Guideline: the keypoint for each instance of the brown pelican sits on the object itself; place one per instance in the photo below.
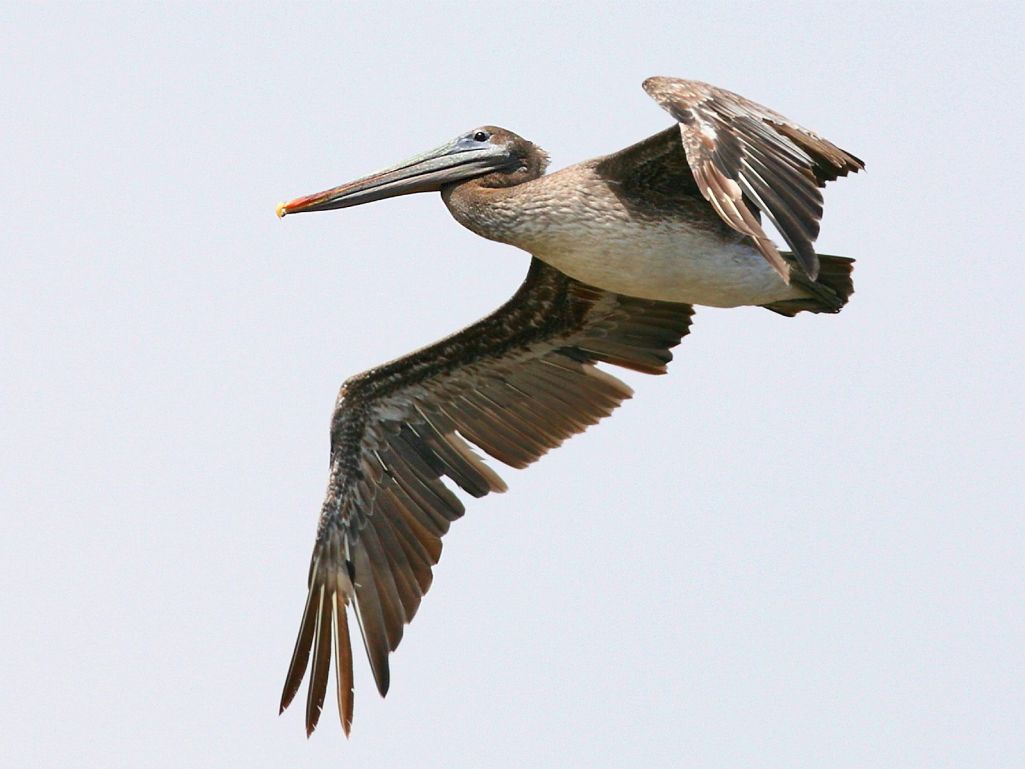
(623, 246)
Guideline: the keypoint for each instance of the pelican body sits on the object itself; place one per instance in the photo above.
(669, 246)
(623, 246)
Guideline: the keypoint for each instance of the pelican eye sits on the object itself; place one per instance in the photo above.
(480, 136)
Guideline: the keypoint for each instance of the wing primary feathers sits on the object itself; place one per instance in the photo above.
(371, 619)
(343, 658)
(321, 661)
(303, 643)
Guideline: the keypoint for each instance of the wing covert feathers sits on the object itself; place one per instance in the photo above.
(516, 384)
(744, 154)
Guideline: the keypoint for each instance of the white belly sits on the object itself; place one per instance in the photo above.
(666, 261)
(575, 221)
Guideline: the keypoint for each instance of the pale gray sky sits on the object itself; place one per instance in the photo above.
(802, 548)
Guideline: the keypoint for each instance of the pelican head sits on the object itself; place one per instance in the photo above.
(493, 156)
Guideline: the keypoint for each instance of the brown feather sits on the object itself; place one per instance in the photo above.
(321, 661)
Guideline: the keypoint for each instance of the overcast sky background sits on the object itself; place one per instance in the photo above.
(802, 548)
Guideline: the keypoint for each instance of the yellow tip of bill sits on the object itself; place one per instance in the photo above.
(280, 210)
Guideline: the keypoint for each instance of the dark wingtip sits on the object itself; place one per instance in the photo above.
(289, 692)
(383, 679)
(313, 711)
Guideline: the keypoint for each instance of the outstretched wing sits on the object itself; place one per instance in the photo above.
(516, 384)
(742, 153)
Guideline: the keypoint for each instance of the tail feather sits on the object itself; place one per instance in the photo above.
(829, 293)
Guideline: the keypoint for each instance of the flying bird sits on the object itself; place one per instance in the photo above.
(622, 248)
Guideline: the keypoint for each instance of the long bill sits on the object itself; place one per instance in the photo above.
(428, 172)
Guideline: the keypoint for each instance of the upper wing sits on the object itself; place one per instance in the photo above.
(741, 152)
(516, 384)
